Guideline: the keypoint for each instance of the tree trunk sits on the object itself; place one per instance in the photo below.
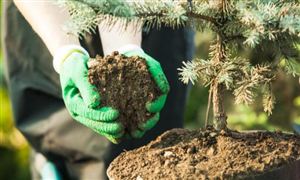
(218, 107)
(220, 117)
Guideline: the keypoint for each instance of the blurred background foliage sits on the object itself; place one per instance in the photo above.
(14, 150)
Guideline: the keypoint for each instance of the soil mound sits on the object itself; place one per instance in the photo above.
(207, 154)
(124, 83)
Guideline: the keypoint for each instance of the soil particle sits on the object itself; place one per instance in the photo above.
(207, 154)
(124, 83)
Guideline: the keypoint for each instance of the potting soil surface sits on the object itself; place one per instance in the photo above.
(125, 84)
(206, 154)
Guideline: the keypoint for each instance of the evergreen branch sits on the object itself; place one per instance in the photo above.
(153, 13)
(291, 66)
(189, 14)
(253, 78)
(267, 20)
(254, 20)
(203, 17)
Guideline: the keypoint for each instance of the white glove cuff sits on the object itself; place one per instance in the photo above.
(63, 53)
(130, 47)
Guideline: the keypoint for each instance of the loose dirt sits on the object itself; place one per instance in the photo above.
(206, 154)
(124, 83)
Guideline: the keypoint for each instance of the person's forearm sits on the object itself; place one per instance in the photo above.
(117, 36)
(47, 20)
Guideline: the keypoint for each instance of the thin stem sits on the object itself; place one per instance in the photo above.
(218, 106)
(208, 105)
(190, 14)
(203, 17)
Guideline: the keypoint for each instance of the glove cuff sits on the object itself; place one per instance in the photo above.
(129, 47)
(63, 53)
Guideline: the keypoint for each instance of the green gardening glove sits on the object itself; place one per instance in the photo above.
(82, 99)
(162, 82)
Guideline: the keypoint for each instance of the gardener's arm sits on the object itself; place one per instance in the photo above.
(70, 61)
(117, 37)
(47, 20)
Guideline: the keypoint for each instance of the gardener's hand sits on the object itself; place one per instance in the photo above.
(80, 97)
(160, 80)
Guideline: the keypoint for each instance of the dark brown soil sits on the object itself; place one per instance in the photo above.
(124, 83)
(207, 154)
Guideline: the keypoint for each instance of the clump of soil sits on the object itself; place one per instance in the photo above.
(207, 154)
(125, 84)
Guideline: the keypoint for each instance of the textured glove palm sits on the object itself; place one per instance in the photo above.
(157, 105)
(81, 98)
